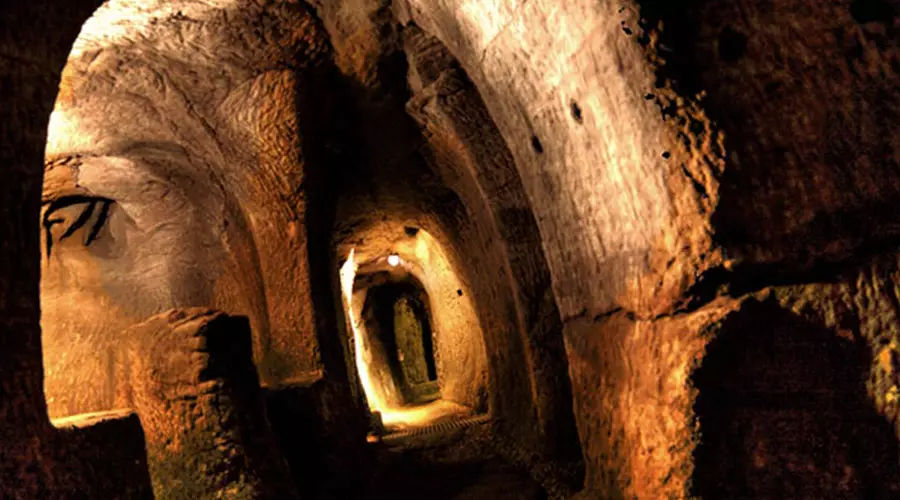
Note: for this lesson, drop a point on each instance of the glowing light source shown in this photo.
(393, 260)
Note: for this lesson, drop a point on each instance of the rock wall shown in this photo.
(197, 153)
(37, 460)
(464, 146)
(680, 156)
(189, 376)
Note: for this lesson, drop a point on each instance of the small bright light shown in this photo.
(394, 260)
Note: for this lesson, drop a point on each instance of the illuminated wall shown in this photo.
(459, 340)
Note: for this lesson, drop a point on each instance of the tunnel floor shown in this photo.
(417, 416)
(459, 465)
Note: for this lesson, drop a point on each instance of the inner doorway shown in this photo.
(398, 322)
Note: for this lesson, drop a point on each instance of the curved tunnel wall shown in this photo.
(854, 297)
(449, 171)
(198, 150)
(469, 154)
(647, 135)
(459, 338)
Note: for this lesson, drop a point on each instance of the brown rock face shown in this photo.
(783, 411)
(659, 141)
(466, 149)
(37, 460)
(636, 420)
(190, 377)
(666, 233)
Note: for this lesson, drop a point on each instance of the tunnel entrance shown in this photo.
(417, 343)
(783, 413)
(398, 324)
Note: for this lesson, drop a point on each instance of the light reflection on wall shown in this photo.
(362, 355)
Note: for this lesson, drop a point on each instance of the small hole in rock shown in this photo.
(666, 155)
(411, 231)
(576, 112)
(536, 144)
(459, 292)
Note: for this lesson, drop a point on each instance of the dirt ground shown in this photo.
(458, 466)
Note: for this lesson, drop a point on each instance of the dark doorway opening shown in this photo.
(397, 317)
(784, 413)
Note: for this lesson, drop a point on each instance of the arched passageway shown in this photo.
(389, 276)
(610, 183)
(397, 318)
(169, 189)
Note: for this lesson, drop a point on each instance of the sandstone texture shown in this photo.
(655, 240)
(189, 376)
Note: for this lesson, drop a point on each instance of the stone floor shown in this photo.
(413, 416)
(460, 465)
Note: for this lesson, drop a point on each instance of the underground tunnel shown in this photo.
(420, 359)
(449, 249)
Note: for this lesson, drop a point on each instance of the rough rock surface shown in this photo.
(198, 150)
(466, 149)
(674, 152)
(189, 376)
(327, 458)
(676, 162)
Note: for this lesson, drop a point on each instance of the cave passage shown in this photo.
(397, 312)
(412, 345)
(450, 249)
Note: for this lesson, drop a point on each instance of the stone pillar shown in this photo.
(189, 374)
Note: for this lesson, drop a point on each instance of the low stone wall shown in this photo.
(101, 455)
(324, 447)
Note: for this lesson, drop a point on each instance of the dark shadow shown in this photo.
(303, 425)
(428, 343)
(446, 471)
(784, 413)
(321, 426)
